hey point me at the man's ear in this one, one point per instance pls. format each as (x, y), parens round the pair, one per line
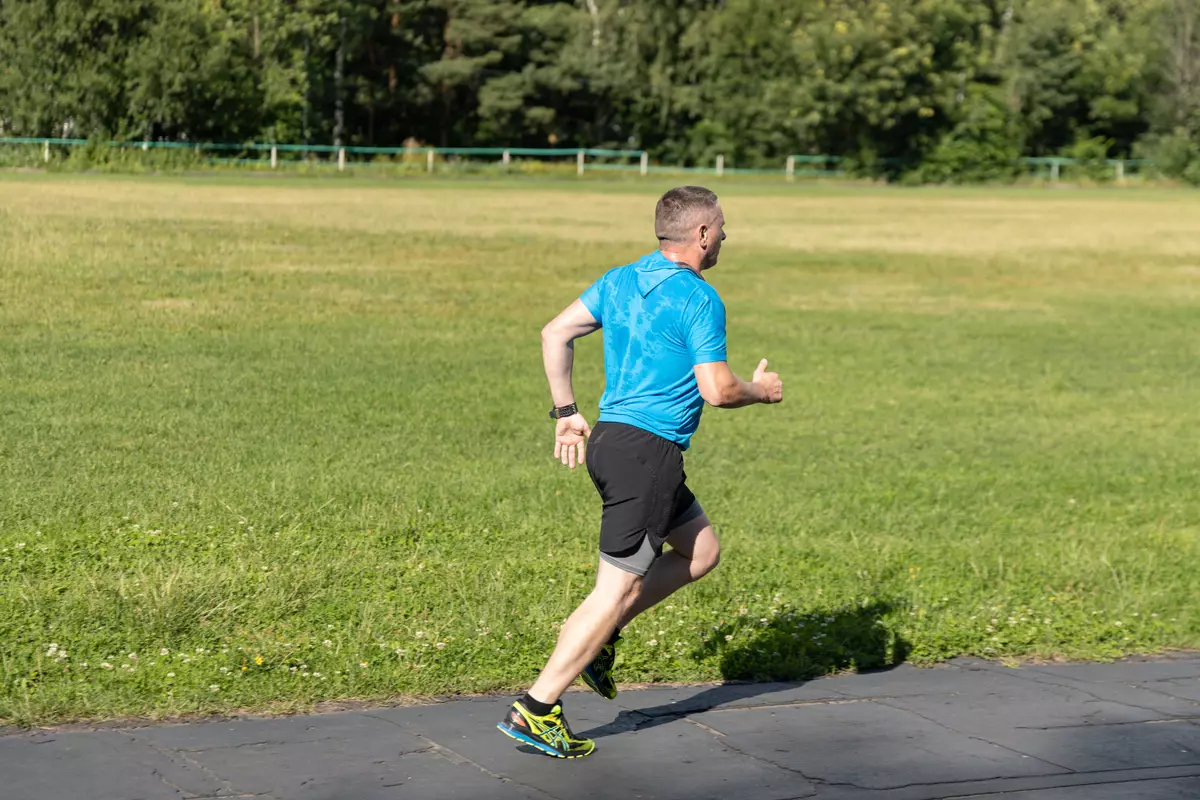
(704, 236)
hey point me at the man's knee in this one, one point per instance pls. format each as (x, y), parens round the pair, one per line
(615, 586)
(706, 560)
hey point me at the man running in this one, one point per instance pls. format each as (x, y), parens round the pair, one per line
(664, 357)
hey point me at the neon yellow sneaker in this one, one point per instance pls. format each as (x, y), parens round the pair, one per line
(550, 733)
(598, 674)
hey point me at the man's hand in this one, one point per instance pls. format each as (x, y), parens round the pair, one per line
(768, 383)
(570, 435)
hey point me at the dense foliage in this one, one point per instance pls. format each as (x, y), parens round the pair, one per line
(941, 89)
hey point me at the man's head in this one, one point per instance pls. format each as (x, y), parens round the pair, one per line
(689, 224)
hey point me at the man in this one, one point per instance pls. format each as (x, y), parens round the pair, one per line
(664, 357)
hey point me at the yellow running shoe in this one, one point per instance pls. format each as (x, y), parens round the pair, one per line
(598, 674)
(550, 733)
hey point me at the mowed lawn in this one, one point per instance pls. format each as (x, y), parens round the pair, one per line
(265, 443)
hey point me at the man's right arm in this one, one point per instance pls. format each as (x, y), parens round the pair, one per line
(721, 388)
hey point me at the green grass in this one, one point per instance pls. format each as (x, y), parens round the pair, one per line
(286, 441)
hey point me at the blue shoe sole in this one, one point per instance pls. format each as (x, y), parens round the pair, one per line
(520, 737)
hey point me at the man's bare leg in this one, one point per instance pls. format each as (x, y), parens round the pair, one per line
(694, 553)
(586, 631)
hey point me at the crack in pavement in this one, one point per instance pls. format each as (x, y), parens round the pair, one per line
(169, 755)
(1070, 785)
(1170, 721)
(1069, 777)
(956, 732)
(458, 758)
(1026, 675)
(253, 744)
(819, 783)
(1143, 686)
(156, 773)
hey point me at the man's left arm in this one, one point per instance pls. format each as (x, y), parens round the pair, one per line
(558, 357)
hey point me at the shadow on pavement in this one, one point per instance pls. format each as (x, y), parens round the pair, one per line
(789, 647)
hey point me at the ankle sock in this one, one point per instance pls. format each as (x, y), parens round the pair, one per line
(537, 706)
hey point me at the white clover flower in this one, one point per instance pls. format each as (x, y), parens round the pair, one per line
(214, 688)
(170, 674)
(106, 665)
(652, 642)
(729, 637)
(224, 669)
(327, 643)
(133, 656)
(164, 652)
(420, 634)
(440, 645)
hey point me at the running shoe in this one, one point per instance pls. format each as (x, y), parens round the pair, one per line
(598, 674)
(550, 733)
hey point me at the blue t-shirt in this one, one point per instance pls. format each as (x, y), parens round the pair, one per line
(660, 320)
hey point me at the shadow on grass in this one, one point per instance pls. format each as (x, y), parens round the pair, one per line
(758, 657)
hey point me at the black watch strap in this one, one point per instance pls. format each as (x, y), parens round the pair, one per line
(564, 411)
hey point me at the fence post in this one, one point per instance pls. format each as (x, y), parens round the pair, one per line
(645, 163)
(1054, 170)
(1120, 170)
(506, 159)
(274, 156)
(791, 168)
(429, 161)
(46, 152)
(579, 164)
(342, 159)
(720, 166)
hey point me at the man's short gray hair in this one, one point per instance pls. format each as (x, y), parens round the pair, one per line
(679, 212)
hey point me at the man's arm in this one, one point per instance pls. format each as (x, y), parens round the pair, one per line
(558, 349)
(721, 388)
(558, 357)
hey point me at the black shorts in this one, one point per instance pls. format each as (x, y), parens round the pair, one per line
(640, 478)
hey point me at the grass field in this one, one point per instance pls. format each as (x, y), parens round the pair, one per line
(265, 443)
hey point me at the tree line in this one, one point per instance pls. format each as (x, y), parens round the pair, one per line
(936, 89)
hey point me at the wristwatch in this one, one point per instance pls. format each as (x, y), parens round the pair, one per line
(564, 411)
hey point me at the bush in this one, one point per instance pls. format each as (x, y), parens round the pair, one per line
(981, 147)
(1175, 155)
(1091, 157)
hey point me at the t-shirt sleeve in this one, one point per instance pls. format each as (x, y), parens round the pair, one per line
(593, 299)
(705, 320)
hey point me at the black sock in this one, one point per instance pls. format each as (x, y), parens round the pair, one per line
(616, 634)
(536, 706)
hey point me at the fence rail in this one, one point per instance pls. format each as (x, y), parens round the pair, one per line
(434, 159)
